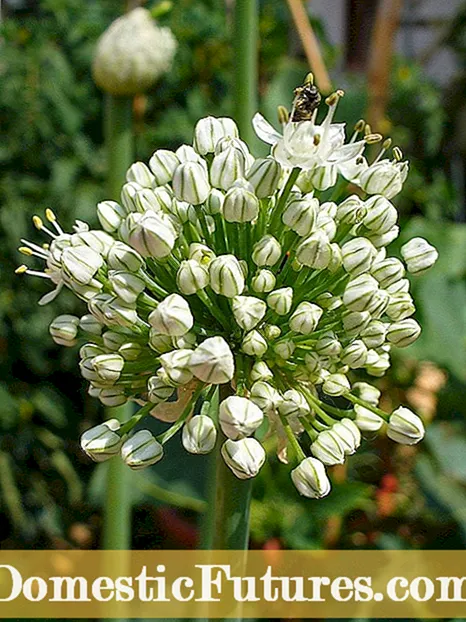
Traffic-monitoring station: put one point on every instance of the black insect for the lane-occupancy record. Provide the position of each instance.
(306, 101)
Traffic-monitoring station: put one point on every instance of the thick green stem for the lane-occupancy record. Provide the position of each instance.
(246, 66)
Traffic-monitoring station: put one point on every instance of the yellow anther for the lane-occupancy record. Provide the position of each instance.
(25, 250)
(397, 154)
(316, 140)
(46, 246)
(38, 224)
(21, 269)
(283, 114)
(367, 129)
(50, 215)
(309, 79)
(359, 125)
(371, 139)
(387, 143)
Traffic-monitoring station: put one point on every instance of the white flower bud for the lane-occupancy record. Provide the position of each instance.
(336, 258)
(354, 322)
(248, 311)
(207, 133)
(102, 442)
(240, 205)
(401, 306)
(176, 364)
(300, 215)
(328, 345)
(199, 435)
(379, 365)
(172, 316)
(156, 200)
(359, 292)
(113, 340)
(280, 300)
(293, 404)
(123, 257)
(419, 255)
(190, 183)
(239, 417)
(404, 332)
(355, 354)
(284, 349)
(81, 263)
(128, 196)
(64, 330)
(264, 175)
(108, 366)
(191, 277)
(151, 234)
(90, 324)
(265, 396)
(267, 251)
(141, 450)
(244, 457)
(378, 304)
(226, 276)
(229, 127)
(111, 215)
(315, 251)
(158, 391)
(271, 331)
(367, 392)
(185, 153)
(325, 223)
(140, 174)
(130, 351)
(387, 271)
(328, 448)
(405, 427)
(263, 281)
(366, 420)
(89, 350)
(384, 177)
(260, 371)
(351, 211)
(358, 256)
(212, 361)
(383, 239)
(254, 344)
(336, 384)
(132, 54)
(400, 286)
(381, 216)
(313, 362)
(227, 166)
(112, 396)
(201, 253)
(349, 434)
(163, 164)
(305, 318)
(214, 202)
(126, 285)
(373, 335)
(311, 479)
(159, 343)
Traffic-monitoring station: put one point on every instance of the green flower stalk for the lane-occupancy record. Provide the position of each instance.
(219, 270)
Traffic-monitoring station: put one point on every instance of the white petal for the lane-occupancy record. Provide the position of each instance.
(50, 295)
(264, 130)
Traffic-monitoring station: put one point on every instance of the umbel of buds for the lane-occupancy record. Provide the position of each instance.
(224, 279)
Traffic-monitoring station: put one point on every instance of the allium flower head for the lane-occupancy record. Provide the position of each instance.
(219, 273)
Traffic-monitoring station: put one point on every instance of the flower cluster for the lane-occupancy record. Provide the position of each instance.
(264, 279)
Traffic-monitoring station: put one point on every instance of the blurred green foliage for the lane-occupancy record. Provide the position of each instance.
(51, 155)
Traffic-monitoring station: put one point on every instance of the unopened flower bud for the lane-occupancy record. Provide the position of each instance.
(366, 420)
(123, 257)
(264, 175)
(328, 345)
(260, 371)
(358, 255)
(336, 258)
(151, 234)
(112, 396)
(263, 281)
(240, 205)
(388, 271)
(311, 479)
(354, 322)
(400, 286)
(349, 435)
(108, 366)
(419, 255)
(267, 251)
(190, 183)
(64, 330)
(384, 177)
(374, 334)
(401, 306)
(81, 263)
(254, 344)
(284, 349)
(380, 240)
(359, 292)
(212, 361)
(405, 427)
(191, 277)
(163, 164)
(336, 384)
(244, 457)
(293, 404)
(140, 174)
(271, 331)
(315, 251)
(172, 316)
(207, 133)
(227, 166)
(403, 333)
(214, 202)
(265, 396)
(280, 300)
(158, 391)
(201, 253)
(239, 417)
(351, 211)
(378, 365)
(199, 435)
(132, 54)
(141, 450)
(102, 441)
(381, 215)
(158, 342)
(378, 304)
(126, 285)
(305, 318)
(355, 354)
(248, 311)
(90, 324)
(176, 364)
(300, 215)
(111, 215)
(130, 351)
(226, 276)
(328, 448)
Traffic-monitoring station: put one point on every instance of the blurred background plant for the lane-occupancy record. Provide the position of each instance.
(51, 155)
